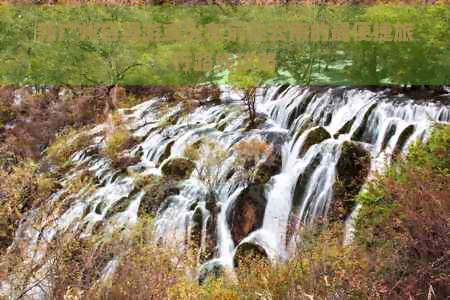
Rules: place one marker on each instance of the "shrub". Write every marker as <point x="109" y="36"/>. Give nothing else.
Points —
<point x="249" y="153"/>
<point x="20" y="190"/>
<point x="117" y="139"/>
<point x="66" y="144"/>
<point x="404" y="224"/>
<point x="209" y="156"/>
<point x="435" y="153"/>
<point x="145" y="270"/>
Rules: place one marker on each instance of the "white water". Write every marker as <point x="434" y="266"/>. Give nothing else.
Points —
<point x="375" y="122"/>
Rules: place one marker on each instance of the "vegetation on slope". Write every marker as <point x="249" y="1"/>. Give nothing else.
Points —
<point x="401" y="250"/>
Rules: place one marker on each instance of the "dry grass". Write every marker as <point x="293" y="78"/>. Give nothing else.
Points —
<point x="41" y="116"/>
<point x="66" y="144"/>
<point x="21" y="190"/>
<point x="118" y="137"/>
<point x="252" y="149"/>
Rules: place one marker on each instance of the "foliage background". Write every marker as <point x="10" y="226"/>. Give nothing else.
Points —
<point x="25" y="60"/>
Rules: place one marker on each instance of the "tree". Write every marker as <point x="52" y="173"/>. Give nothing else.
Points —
<point x="247" y="81"/>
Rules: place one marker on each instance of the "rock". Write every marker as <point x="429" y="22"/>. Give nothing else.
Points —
<point x="211" y="226"/>
<point x="121" y="205"/>
<point x="260" y="119"/>
<point x="178" y="168"/>
<point x="300" y="109"/>
<point x="315" y="136"/>
<point x="270" y="167"/>
<point x="359" y="134"/>
<point x="124" y="161"/>
<point x="221" y="125"/>
<point x="196" y="229"/>
<point x="404" y="136"/>
<point x="352" y="169"/>
<point x="306" y="123"/>
<point x="166" y="153"/>
<point x="346" y="128"/>
<point x="247" y="213"/>
<point x="299" y="191"/>
<point x="212" y="268"/>
<point x="390" y="132"/>
<point x="157" y="189"/>
<point x="247" y="251"/>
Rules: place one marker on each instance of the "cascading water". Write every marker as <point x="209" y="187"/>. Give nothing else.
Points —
<point x="309" y="131"/>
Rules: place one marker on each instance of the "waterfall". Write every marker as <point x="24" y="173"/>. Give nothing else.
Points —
<point x="311" y="131"/>
<point x="303" y="190"/>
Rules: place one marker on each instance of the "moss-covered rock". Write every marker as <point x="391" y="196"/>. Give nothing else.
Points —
<point x="157" y="189"/>
<point x="119" y="206"/>
<point x="270" y="167"/>
<point x="352" y="169"/>
<point x="247" y="252"/>
<point x="315" y="136"/>
<point x="178" y="168"/>
<point x="306" y="124"/>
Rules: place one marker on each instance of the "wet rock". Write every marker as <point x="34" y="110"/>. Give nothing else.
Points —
<point x="246" y="252"/>
<point x="307" y="123"/>
<point x="230" y="173"/>
<point x="196" y="229"/>
<point x="99" y="208"/>
<point x="194" y="205"/>
<point x="157" y="189"/>
<point x="346" y="128"/>
<point x="280" y="91"/>
<point x="213" y="268"/>
<point x="258" y="122"/>
<point x="404" y="136"/>
<point x="125" y="161"/>
<point x="299" y="192"/>
<point x="206" y="252"/>
<point x="221" y="125"/>
<point x="300" y="109"/>
<point x="121" y="205"/>
<point x="270" y="167"/>
<point x="390" y="132"/>
<point x="178" y="168"/>
<point x="166" y="153"/>
<point x="352" y="169"/>
<point x="315" y="136"/>
<point x="275" y="137"/>
<point x="360" y="132"/>
<point x="211" y="226"/>
<point x="247" y="212"/>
